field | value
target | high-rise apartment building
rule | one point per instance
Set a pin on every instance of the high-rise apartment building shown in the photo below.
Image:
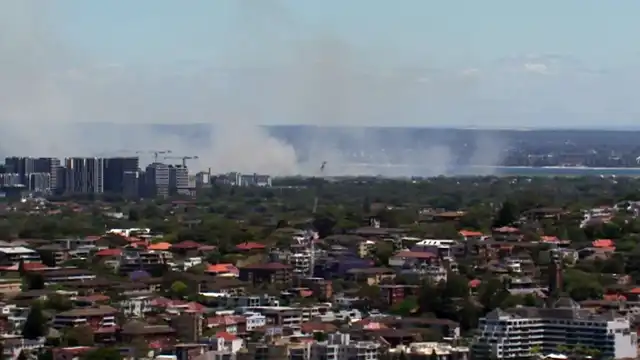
(178, 180)
(131, 184)
(84, 175)
(36, 174)
(115, 170)
(157, 179)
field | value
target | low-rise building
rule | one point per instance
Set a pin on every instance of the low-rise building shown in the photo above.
(16, 254)
(269, 273)
(96, 316)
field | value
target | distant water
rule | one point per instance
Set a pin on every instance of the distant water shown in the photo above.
(565, 171)
(418, 170)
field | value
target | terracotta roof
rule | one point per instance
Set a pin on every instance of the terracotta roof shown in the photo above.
(222, 268)
(224, 320)
(507, 229)
(109, 252)
(160, 246)
(310, 327)
(549, 239)
(603, 243)
(226, 336)
(466, 233)
(33, 266)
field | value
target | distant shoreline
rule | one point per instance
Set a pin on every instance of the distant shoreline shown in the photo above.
(497, 170)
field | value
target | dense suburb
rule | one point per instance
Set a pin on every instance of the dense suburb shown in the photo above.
(222, 218)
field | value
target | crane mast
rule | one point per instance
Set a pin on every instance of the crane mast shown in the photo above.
(311, 235)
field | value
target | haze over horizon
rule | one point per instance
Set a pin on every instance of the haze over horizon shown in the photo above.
(238, 64)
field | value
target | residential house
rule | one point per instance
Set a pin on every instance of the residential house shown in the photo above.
(269, 273)
(155, 336)
(371, 276)
(97, 317)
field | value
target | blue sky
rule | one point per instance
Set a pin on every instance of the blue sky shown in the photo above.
(446, 32)
(480, 63)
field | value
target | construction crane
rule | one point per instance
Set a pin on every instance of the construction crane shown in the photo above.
(183, 158)
(156, 153)
(312, 236)
(315, 199)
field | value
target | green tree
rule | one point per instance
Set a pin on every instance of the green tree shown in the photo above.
(382, 252)
(79, 336)
(434, 355)
(102, 354)
(34, 281)
(319, 336)
(35, 326)
(406, 307)
(179, 289)
(46, 355)
(58, 303)
(507, 215)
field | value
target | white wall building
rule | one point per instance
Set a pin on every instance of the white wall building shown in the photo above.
(340, 347)
(517, 332)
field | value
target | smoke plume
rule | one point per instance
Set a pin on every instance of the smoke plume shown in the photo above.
(57, 101)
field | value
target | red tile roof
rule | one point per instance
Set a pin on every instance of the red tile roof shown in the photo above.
(222, 268)
(33, 266)
(226, 336)
(549, 239)
(109, 252)
(467, 233)
(507, 229)
(603, 243)
(474, 283)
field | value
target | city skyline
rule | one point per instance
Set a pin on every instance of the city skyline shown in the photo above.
(236, 65)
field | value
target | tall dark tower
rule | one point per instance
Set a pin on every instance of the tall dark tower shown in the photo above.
(555, 280)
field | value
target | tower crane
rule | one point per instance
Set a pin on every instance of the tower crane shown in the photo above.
(183, 158)
(156, 153)
(312, 236)
(315, 199)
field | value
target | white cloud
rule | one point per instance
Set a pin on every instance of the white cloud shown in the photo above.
(470, 72)
(537, 68)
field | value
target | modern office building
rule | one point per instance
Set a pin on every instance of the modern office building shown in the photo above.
(131, 184)
(84, 175)
(114, 172)
(39, 182)
(522, 331)
(157, 178)
(26, 167)
(178, 180)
